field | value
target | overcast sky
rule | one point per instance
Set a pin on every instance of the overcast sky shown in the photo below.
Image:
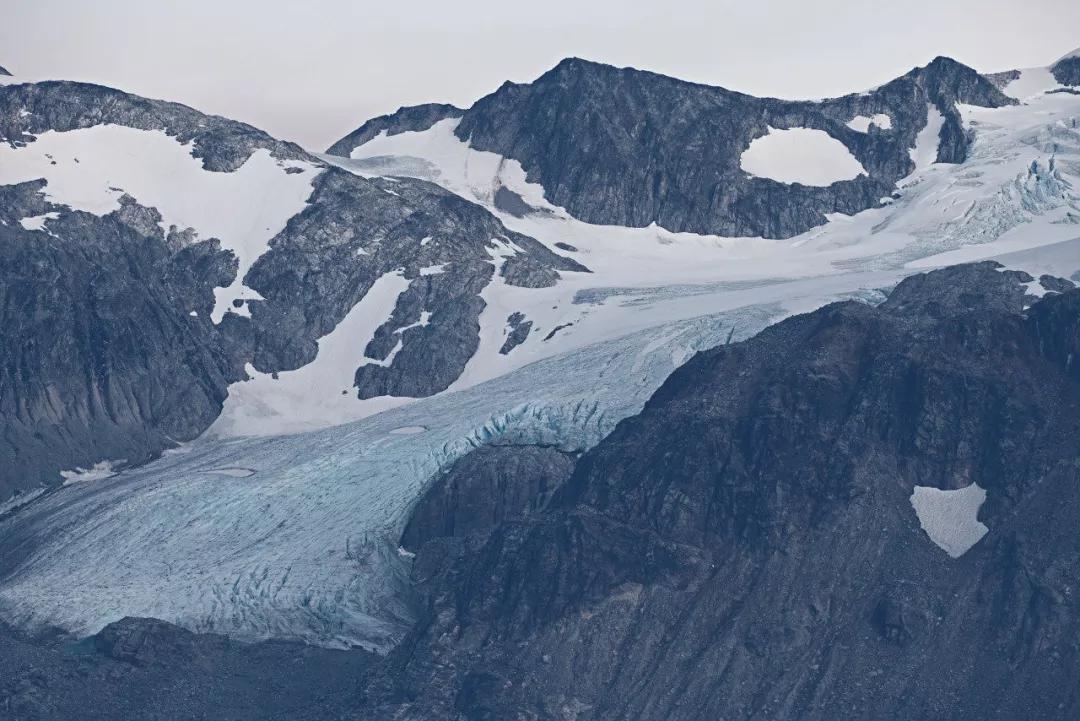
(312, 71)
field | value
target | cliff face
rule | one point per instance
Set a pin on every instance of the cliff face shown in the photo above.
(747, 546)
(101, 358)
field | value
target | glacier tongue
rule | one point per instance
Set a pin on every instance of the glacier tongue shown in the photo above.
(304, 546)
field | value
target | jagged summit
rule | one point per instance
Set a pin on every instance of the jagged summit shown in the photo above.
(1067, 69)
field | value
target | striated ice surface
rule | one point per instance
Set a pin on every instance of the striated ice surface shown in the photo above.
(303, 542)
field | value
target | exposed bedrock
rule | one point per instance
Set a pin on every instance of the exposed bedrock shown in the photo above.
(746, 547)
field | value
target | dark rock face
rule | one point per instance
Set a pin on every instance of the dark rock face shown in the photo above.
(626, 147)
(409, 119)
(1067, 70)
(102, 359)
(510, 202)
(518, 329)
(1000, 80)
(354, 231)
(3, 71)
(148, 669)
(745, 548)
(485, 488)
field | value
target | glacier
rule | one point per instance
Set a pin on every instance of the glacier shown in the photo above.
(262, 529)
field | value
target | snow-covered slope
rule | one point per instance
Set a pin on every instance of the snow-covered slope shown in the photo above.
(296, 535)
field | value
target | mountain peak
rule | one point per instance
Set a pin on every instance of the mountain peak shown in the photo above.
(1068, 56)
(4, 71)
(1067, 69)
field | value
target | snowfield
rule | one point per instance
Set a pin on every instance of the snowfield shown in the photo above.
(1032, 82)
(305, 545)
(951, 518)
(321, 393)
(801, 155)
(862, 123)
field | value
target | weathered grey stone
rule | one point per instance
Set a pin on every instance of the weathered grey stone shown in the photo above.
(1055, 284)
(1000, 80)
(413, 118)
(745, 548)
(626, 147)
(353, 231)
(519, 329)
(510, 202)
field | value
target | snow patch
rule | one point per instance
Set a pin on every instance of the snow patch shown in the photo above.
(862, 123)
(950, 518)
(925, 152)
(800, 155)
(437, 154)
(98, 472)
(1031, 82)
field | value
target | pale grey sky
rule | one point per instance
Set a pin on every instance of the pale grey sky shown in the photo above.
(312, 71)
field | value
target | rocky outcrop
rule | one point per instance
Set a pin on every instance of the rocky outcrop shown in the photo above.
(627, 147)
(354, 231)
(1000, 80)
(148, 669)
(746, 547)
(408, 119)
(517, 331)
(1067, 70)
(486, 487)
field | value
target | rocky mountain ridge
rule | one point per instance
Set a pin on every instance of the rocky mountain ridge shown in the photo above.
(629, 147)
(144, 366)
(747, 546)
